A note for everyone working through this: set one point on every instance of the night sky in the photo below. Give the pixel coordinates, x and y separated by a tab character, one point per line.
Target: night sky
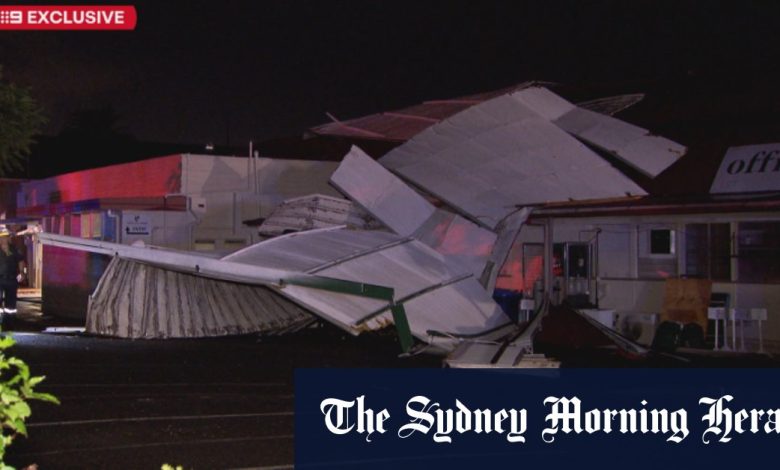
194	71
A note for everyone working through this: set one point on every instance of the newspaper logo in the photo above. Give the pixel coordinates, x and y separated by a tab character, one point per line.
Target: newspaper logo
67	17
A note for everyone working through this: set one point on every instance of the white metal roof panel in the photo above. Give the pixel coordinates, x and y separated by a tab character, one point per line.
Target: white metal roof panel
305	251
434	293
463	308
632	144
408	267
500	154
413	269
457	305
381	193
544	102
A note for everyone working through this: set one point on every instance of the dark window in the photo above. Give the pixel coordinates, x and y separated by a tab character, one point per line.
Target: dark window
707	251
759	251
578	260
661	242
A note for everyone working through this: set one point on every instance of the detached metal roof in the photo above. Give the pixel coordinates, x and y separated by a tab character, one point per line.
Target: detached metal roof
402	124
354	279
381	193
437	296
404	211
504	153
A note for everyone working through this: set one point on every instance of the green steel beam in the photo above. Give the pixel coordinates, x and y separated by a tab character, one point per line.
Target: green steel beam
372	291
402	327
341	286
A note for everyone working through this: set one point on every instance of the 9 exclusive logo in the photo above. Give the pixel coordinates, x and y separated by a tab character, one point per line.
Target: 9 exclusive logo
67	17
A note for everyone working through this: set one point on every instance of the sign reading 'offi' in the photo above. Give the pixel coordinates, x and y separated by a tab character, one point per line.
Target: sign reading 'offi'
747	169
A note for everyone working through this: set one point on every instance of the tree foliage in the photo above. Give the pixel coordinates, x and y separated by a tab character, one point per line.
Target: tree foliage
17	386
21	119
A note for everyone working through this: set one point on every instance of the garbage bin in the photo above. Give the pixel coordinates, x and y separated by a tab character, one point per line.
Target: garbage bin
509	301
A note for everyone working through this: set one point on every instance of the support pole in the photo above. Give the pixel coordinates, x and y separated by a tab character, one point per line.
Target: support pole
548	258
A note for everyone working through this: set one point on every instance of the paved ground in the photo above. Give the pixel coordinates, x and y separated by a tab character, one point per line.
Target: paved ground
209	403
215	403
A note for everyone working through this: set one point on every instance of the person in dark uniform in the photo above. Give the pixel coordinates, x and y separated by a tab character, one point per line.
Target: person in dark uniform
11	269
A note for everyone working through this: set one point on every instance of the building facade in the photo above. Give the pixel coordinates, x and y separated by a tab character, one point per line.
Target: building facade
183	201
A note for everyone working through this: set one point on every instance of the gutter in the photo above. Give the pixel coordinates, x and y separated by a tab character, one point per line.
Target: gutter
657	209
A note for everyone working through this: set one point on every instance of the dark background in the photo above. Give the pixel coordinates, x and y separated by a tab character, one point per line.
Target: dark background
224	72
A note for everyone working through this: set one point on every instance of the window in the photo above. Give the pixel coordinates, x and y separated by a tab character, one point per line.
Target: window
533	266
657	252
92	225
759	251
707	251
205	245
661	242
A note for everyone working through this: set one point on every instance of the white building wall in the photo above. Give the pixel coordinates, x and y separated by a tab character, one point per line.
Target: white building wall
167	228
635	292
224	192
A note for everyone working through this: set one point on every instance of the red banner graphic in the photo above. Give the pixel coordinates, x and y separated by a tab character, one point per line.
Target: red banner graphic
67	17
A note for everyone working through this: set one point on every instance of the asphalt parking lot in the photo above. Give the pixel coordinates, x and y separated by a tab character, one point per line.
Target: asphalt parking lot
210	403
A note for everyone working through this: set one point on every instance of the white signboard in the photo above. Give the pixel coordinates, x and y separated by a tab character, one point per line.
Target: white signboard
136	225
751	168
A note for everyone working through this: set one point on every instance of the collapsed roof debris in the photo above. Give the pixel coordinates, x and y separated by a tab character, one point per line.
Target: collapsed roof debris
504	153
401	125
612	105
439	298
381	193
179	305
312	212
327	270
405	212
433	272
562	333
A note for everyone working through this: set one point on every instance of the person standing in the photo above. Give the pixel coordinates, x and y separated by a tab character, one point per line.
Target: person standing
11	269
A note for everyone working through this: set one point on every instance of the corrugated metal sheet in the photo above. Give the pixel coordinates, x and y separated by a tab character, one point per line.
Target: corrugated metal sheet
381	193
494	156
313	212
612	105
136	300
